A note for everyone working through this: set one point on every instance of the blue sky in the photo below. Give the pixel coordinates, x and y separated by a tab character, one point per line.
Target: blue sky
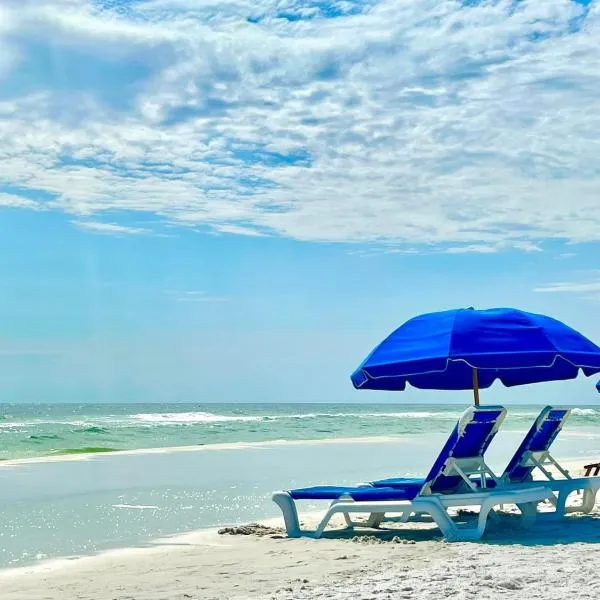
222	201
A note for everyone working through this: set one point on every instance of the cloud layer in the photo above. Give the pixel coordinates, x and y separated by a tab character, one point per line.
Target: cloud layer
468	125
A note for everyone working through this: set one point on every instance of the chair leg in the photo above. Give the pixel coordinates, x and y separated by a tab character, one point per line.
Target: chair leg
587	503
290	514
589	500
529	513
561	504
451	531
487	507
375	520
406	515
442	519
332	511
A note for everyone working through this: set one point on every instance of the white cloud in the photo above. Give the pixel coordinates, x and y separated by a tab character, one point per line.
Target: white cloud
523	245
571	287
470	127
473	248
109	227
196	296
239	230
586	288
15	201
8	53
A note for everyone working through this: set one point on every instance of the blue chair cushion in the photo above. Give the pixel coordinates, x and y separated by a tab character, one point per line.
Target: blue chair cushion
333	492
414	483
407	483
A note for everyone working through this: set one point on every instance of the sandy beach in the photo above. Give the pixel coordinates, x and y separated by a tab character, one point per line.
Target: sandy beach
548	560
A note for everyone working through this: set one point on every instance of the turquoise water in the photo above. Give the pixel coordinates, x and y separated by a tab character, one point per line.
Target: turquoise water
30	430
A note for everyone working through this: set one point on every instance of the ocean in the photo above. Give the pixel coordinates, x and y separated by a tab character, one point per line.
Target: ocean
82	479
34	430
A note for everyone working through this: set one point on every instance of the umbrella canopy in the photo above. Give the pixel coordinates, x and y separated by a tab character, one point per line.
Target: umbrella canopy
469	349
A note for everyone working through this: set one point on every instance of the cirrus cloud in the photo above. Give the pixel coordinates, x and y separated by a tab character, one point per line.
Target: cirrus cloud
586	287
111	228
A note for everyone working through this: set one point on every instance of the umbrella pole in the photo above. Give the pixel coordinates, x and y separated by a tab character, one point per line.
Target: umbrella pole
475	386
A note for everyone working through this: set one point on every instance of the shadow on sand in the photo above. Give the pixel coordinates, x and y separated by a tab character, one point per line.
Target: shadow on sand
503	529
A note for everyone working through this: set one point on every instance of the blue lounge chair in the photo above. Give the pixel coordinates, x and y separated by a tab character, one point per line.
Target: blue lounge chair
449	483
534	455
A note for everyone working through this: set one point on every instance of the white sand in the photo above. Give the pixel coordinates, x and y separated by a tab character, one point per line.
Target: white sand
550	560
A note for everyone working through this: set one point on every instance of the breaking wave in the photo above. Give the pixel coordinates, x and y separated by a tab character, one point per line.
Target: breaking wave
584	412
206	417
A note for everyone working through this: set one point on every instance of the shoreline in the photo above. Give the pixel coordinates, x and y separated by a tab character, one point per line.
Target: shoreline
51	565
12	462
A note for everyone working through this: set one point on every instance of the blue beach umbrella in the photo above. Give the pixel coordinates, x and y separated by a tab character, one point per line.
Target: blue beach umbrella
469	349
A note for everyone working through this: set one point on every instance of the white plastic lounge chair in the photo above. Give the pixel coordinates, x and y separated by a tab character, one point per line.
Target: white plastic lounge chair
448	484
534	455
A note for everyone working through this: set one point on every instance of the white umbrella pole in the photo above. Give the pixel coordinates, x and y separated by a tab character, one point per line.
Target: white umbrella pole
475	387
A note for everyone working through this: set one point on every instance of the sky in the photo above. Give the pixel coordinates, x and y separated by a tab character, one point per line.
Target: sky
234	200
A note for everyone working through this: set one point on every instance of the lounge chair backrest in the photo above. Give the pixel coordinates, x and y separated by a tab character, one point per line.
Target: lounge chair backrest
470	439
539	438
